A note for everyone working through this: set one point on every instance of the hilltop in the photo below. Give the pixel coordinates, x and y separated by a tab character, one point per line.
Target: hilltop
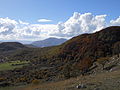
8	46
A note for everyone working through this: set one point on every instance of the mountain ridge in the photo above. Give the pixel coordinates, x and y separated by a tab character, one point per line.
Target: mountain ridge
49	42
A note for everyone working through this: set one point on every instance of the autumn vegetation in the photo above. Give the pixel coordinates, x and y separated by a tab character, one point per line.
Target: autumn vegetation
71	59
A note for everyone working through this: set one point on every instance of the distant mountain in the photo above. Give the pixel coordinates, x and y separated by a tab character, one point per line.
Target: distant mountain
30	46
49	42
8	46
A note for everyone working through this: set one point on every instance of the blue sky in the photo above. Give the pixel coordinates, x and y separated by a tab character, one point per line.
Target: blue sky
31	20
56	10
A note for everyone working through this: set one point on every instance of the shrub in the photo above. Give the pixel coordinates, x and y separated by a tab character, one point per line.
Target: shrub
35	82
102	61
2	79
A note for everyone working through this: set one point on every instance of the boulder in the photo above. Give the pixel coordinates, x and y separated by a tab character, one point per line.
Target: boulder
81	86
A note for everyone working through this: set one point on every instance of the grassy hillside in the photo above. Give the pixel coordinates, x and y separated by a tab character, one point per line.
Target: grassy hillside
101	81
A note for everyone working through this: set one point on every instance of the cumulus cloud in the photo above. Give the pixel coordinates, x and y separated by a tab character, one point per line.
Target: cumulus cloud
44	20
75	25
115	22
23	23
7	26
81	23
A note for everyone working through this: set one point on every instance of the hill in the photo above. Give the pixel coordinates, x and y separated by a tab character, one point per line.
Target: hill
9	46
49	42
86	48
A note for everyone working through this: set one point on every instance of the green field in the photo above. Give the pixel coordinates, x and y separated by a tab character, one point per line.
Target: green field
12	65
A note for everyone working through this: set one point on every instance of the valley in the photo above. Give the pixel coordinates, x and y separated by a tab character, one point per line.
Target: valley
92	59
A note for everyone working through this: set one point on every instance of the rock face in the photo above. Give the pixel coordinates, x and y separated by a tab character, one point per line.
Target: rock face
49	42
112	64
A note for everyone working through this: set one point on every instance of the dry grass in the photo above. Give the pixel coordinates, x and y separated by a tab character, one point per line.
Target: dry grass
103	80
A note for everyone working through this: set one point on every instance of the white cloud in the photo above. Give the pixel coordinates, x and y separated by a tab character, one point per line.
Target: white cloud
7	26
115	22
44	20
75	25
23	23
81	23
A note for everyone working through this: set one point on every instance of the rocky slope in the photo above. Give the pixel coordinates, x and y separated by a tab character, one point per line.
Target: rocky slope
87	48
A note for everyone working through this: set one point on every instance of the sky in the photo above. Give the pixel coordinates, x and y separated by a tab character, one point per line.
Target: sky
31	20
